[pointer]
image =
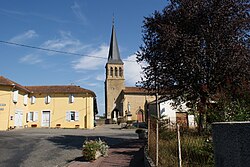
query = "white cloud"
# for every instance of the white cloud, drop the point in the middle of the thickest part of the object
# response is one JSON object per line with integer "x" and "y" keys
{"x": 24, "y": 36}
{"x": 132, "y": 70}
{"x": 30, "y": 59}
{"x": 66, "y": 42}
{"x": 100, "y": 77}
{"x": 85, "y": 82}
{"x": 78, "y": 12}
{"x": 95, "y": 59}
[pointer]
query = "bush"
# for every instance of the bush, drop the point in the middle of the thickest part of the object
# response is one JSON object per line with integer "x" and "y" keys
{"x": 92, "y": 149}
{"x": 140, "y": 130}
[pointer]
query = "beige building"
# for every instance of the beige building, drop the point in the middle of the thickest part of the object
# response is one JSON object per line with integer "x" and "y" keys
{"x": 67, "y": 106}
{"x": 120, "y": 101}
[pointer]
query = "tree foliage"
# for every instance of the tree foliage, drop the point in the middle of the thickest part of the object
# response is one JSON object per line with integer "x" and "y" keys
{"x": 196, "y": 48}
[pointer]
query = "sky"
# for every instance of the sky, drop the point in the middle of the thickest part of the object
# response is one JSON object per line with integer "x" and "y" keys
{"x": 81, "y": 27}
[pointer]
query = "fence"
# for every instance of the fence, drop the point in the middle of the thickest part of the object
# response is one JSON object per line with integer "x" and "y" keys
{"x": 196, "y": 149}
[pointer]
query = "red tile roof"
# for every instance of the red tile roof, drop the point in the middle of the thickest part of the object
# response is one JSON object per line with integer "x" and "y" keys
{"x": 7, "y": 82}
{"x": 135, "y": 90}
{"x": 72, "y": 89}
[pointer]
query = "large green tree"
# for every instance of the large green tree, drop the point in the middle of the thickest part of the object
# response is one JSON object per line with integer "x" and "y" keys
{"x": 196, "y": 48}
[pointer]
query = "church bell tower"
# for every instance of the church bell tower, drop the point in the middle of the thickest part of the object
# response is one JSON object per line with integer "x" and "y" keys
{"x": 114, "y": 82}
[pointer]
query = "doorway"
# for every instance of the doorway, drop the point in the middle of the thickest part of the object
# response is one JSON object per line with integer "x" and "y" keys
{"x": 18, "y": 122}
{"x": 46, "y": 119}
{"x": 140, "y": 116}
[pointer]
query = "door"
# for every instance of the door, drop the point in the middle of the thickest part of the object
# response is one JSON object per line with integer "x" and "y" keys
{"x": 18, "y": 122}
{"x": 182, "y": 118}
{"x": 140, "y": 116}
{"x": 46, "y": 119}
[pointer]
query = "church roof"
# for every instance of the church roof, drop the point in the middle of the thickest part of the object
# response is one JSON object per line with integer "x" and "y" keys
{"x": 135, "y": 90}
{"x": 114, "y": 55}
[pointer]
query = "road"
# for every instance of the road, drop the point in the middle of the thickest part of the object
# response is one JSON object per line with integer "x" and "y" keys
{"x": 53, "y": 147}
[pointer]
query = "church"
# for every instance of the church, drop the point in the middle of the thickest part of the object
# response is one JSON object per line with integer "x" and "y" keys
{"x": 121, "y": 102}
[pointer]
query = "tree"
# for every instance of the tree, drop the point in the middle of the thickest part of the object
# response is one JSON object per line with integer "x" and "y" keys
{"x": 195, "y": 49}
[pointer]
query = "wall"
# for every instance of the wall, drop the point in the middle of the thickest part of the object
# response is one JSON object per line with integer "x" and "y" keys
{"x": 5, "y": 101}
{"x": 8, "y": 108}
{"x": 58, "y": 108}
{"x": 18, "y": 108}
{"x": 136, "y": 102}
{"x": 231, "y": 144}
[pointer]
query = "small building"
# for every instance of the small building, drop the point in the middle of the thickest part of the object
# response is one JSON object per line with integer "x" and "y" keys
{"x": 173, "y": 114}
{"x": 67, "y": 106}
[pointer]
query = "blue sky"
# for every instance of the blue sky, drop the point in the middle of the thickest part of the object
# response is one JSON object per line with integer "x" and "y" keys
{"x": 80, "y": 26}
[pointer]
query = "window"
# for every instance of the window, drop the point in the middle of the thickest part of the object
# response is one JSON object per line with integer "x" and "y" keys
{"x": 71, "y": 98}
{"x": 15, "y": 96}
{"x": 116, "y": 71}
{"x": 72, "y": 116}
{"x": 32, "y": 99}
{"x": 47, "y": 99}
{"x": 111, "y": 71}
{"x": 25, "y": 99}
{"x": 120, "y": 72}
{"x": 32, "y": 116}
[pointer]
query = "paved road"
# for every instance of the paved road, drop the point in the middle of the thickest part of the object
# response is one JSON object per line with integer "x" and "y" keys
{"x": 53, "y": 147}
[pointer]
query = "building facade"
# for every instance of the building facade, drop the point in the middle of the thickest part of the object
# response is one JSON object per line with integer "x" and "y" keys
{"x": 67, "y": 106}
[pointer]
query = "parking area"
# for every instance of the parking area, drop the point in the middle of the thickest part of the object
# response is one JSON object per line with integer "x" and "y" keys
{"x": 53, "y": 147}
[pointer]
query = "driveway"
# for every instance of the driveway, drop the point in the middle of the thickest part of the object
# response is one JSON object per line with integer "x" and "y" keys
{"x": 53, "y": 147}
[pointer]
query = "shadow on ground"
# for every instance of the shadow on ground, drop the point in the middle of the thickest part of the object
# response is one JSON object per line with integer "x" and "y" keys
{"x": 76, "y": 142}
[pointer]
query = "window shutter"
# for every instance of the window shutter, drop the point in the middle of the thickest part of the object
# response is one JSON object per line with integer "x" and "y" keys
{"x": 25, "y": 99}
{"x": 35, "y": 116}
{"x": 33, "y": 99}
{"x": 76, "y": 116}
{"x": 71, "y": 98}
{"x": 47, "y": 99}
{"x": 15, "y": 96}
{"x": 68, "y": 116}
{"x": 28, "y": 117}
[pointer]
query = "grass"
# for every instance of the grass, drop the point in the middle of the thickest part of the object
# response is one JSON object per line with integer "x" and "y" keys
{"x": 196, "y": 150}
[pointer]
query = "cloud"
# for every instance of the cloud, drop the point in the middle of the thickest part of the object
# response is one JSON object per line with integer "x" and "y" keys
{"x": 66, "y": 42}
{"x": 30, "y": 34}
{"x": 30, "y": 59}
{"x": 86, "y": 82}
{"x": 132, "y": 70}
{"x": 100, "y": 77}
{"x": 78, "y": 12}
{"x": 95, "y": 59}
{"x": 24, "y": 16}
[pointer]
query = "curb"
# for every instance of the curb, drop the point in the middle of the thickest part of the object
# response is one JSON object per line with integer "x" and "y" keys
{"x": 148, "y": 162}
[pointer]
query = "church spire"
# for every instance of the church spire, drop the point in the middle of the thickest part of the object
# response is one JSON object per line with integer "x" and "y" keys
{"x": 114, "y": 55}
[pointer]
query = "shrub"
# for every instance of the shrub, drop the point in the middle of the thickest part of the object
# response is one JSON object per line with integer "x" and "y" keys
{"x": 140, "y": 130}
{"x": 92, "y": 149}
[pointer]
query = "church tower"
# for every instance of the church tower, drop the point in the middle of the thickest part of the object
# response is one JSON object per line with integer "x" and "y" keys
{"x": 114, "y": 82}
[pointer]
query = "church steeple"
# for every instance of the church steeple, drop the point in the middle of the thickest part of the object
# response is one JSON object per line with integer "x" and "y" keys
{"x": 115, "y": 82}
{"x": 114, "y": 55}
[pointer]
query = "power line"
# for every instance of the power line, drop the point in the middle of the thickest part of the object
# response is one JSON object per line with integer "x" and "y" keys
{"x": 53, "y": 50}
